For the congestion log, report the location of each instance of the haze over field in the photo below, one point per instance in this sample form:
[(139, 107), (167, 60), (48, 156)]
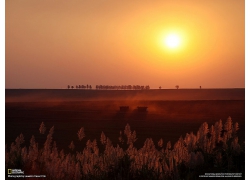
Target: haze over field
[(52, 95), (50, 44)]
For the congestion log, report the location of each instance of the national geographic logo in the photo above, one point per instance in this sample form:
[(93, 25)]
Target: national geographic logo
[(15, 171), (18, 173)]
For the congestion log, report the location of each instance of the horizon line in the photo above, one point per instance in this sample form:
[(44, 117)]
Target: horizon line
[(119, 89)]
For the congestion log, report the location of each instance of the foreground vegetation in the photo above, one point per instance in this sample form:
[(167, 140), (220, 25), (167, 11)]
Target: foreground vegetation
[(214, 149)]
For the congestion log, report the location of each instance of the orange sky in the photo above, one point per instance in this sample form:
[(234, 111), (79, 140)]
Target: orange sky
[(50, 44)]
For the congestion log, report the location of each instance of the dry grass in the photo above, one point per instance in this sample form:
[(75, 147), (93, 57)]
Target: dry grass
[(166, 119), (214, 149)]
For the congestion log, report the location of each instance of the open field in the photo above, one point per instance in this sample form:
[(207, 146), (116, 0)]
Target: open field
[(171, 113), (35, 95)]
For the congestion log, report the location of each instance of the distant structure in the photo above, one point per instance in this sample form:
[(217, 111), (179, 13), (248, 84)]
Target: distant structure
[(200, 87), (124, 108), (142, 108)]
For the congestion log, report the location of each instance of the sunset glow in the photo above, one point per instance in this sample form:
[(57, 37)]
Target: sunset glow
[(172, 41), (114, 86), (97, 42)]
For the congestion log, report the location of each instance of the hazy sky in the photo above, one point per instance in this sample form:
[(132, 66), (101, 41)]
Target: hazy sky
[(50, 44)]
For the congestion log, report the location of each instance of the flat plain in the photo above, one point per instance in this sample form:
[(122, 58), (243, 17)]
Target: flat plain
[(171, 113)]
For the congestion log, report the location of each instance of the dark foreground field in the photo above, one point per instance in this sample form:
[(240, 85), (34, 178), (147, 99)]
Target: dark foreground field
[(167, 119), (214, 147)]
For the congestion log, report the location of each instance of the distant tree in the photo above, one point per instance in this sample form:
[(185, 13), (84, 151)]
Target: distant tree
[(72, 87), (90, 87), (200, 87), (177, 86), (160, 87), (68, 86)]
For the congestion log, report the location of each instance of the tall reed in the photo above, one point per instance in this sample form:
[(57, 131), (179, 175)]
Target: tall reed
[(210, 149)]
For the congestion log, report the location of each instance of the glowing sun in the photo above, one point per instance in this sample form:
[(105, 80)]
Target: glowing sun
[(172, 41)]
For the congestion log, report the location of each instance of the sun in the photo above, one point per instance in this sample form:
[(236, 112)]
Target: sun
[(172, 41)]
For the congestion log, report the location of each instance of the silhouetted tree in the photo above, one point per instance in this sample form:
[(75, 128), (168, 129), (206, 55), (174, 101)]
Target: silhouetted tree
[(68, 86), (177, 86)]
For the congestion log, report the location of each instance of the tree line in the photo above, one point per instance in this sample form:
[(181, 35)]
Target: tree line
[(107, 87), (80, 87), (123, 87)]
